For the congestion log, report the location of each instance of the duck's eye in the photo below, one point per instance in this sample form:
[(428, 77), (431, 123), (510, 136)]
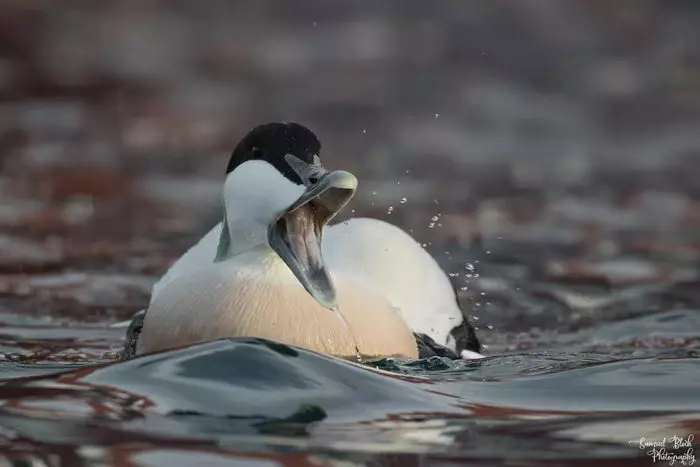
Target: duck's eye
[(313, 180)]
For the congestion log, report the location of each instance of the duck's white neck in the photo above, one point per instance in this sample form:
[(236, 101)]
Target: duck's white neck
[(238, 237), (251, 253), (254, 195)]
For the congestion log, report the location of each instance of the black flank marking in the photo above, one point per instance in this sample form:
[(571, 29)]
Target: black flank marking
[(427, 348), (465, 334)]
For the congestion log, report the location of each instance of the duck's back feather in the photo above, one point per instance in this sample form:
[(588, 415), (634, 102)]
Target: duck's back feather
[(390, 262)]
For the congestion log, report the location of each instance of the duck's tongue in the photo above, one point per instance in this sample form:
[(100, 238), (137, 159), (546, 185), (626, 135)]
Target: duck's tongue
[(304, 238)]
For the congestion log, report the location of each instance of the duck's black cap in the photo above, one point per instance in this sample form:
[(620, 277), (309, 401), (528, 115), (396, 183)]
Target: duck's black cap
[(271, 142)]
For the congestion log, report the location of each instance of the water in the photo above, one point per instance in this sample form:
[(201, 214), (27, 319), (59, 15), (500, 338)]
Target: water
[(113, 155), (592, 343), (262, 403), (341, 316)]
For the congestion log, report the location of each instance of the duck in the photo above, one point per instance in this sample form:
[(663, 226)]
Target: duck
[(276, 268)]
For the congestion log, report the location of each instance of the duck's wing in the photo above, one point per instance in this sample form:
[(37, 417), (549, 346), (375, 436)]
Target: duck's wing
[(390, 262)]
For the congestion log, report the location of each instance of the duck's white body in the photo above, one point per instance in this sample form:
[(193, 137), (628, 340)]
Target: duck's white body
[(274, 269), (372, 253)]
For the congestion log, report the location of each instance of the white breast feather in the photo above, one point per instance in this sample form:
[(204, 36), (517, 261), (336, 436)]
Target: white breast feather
[(376, 254), (257, 295), (199, 256)]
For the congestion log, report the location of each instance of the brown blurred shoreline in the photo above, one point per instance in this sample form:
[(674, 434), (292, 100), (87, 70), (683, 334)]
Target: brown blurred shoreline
[(537, 131)]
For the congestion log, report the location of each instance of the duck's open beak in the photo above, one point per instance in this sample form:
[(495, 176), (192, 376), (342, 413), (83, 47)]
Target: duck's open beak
[(296, 234)]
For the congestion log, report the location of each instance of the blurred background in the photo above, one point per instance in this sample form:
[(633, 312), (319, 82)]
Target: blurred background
[(540, 142)]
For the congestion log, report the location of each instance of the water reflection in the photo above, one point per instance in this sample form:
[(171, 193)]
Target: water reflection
[(259, 401)]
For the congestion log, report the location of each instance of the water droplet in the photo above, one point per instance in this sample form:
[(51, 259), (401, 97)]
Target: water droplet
[(431, 225), (434, 218), (436, 202), (390, 210), (398, 182), (374, 193), (463, 289), (489, 326), (424, 245), (364, 131), (488, 252), (353, 211), (315, 23), (469, 267), (437, 115), (482, 294), (475, 318)]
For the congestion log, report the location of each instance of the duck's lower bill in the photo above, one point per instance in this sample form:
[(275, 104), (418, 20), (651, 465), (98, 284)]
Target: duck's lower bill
[(296, 235)]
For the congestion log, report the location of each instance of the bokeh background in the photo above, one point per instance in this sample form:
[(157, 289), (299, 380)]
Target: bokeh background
[(527, 144)]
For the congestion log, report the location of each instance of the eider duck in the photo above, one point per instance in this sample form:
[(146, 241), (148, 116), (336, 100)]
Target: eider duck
[(273, 268)]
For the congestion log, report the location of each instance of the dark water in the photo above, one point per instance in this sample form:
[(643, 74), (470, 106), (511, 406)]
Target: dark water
[(581, 365), (256, 403), (561, 144)]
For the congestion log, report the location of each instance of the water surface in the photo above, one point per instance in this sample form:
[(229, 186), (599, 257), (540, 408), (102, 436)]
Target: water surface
[(262, 403)]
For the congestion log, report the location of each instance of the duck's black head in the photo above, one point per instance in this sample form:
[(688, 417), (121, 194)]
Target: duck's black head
[(271, 142)]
